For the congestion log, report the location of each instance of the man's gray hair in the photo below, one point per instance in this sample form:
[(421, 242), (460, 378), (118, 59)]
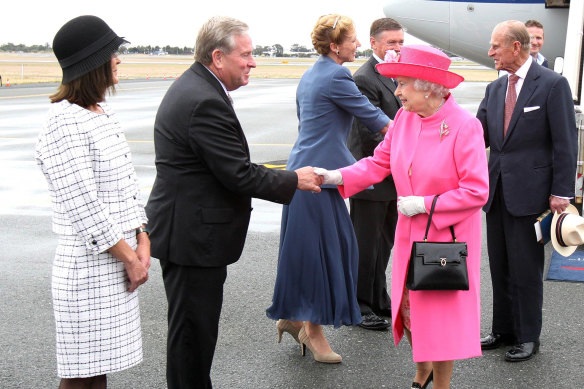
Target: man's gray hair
[(515, 31), (217, 33)]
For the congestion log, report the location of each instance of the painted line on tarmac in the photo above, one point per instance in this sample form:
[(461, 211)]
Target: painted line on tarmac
[(24, 96), (31, 139), (142, 88), (251, 144), (49, 94)]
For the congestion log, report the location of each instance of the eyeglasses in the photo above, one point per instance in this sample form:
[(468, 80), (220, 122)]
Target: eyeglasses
[(335, 23)]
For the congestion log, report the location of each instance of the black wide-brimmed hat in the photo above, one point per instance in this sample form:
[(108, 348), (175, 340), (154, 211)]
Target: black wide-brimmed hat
[(84, 44)]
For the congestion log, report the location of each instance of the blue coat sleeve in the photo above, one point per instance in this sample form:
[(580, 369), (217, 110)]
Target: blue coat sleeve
[(344, 92)]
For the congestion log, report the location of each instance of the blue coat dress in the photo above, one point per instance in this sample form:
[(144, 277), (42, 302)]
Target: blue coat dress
[(318, 258)]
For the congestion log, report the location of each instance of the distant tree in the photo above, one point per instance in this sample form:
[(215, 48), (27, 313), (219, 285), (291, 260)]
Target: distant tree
[(257, 50), (296, 48), (24, 48), (278, 49), (365, 53), (261, 50), (123, 49)]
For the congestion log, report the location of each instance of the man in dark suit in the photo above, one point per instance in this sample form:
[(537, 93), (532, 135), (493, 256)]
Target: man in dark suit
[(374, 212), (529, 123), (200, 205), (537, 37)]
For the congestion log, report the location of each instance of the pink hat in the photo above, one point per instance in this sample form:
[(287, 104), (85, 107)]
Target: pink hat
[(424, 62)]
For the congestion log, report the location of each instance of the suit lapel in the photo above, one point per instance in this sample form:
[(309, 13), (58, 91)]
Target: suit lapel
[(385, 81), (201, 70), (529, 86), (205, 73), (499, 92)]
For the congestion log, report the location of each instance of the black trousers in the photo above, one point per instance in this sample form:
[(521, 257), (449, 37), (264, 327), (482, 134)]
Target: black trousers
[(516, 261), (195, 296), (374, 223)]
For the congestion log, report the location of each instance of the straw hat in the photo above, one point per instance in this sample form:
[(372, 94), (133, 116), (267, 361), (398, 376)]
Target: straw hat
[(84, 44), (424, 62), (567, 231)]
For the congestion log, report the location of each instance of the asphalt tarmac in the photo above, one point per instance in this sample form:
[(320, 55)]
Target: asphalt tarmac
[(247, 354)]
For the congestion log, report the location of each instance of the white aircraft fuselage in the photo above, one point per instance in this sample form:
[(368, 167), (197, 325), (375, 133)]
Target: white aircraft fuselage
[(465, 27)]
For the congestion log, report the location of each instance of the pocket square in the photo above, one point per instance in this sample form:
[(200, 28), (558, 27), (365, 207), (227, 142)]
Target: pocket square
[(529, 109)]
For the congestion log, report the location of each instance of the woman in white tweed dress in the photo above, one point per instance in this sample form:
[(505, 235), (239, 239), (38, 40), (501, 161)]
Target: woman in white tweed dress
[(103, 253)]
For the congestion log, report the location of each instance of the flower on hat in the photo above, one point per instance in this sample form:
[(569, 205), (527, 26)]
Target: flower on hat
[(391, 56)]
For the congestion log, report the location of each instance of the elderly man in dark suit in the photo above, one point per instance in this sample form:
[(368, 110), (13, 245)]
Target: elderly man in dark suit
[(374, 212), (529, 123), (200, 205)]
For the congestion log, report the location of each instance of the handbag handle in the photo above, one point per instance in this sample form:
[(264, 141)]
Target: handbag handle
[(430, 221)]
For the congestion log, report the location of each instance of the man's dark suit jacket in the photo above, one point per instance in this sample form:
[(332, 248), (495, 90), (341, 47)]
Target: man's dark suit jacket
[(362, 142), (537, 158), (200, 205)]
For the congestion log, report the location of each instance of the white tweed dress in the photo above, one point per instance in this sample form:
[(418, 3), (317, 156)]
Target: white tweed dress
[(87, 163)]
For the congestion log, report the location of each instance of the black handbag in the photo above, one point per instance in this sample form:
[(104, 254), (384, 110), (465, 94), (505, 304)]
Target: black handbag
[(438, 265)]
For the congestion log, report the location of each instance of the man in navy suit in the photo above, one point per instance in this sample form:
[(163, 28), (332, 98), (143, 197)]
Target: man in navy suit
[(374, 212), (200, 205), (532, 167), (536, 34)]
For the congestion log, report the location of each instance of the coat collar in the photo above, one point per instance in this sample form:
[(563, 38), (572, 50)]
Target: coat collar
[(385, 81), (446, 114), (199, 69), (204, 72)]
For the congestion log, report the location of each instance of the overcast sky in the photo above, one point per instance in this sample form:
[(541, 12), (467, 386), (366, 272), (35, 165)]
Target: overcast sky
[(176, 23)]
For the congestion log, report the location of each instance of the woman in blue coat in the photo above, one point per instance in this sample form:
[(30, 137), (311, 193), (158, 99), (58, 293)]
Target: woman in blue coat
[(316, 281)]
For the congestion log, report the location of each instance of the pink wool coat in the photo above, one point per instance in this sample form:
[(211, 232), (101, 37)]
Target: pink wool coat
[(445, 325)]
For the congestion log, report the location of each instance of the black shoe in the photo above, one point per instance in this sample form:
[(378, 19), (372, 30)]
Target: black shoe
[(494, 340), (522, 352), (371, 321), (416, 385)]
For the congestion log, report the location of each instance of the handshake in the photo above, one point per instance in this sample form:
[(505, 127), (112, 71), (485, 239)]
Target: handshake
[(310, 178)]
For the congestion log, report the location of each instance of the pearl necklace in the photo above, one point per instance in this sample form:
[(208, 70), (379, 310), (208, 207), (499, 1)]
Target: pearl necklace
[(439, 106)]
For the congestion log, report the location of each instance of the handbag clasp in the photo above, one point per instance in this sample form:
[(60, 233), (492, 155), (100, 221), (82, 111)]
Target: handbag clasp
[(442, 262)]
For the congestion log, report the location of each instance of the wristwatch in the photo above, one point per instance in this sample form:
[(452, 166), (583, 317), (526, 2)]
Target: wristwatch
[(141, 230)]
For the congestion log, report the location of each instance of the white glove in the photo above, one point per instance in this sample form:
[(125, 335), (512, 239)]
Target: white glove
[(333, 177), (411, 205)]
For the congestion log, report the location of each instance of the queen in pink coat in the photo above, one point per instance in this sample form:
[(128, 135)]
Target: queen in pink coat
[(433, 147)]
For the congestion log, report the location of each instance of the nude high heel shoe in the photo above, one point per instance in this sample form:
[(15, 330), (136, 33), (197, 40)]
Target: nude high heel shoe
[(331, 357), (284, 325)]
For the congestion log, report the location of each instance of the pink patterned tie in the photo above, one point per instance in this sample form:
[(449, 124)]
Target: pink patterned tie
[(510, 101)]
